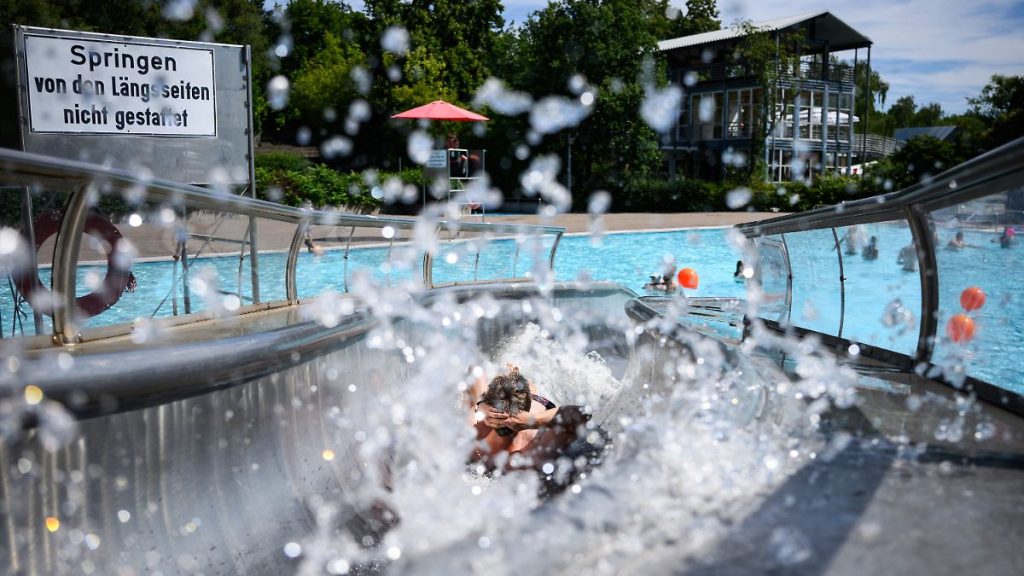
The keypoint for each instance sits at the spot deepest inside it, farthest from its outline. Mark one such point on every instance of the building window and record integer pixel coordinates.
(740, 113)
(707, 116)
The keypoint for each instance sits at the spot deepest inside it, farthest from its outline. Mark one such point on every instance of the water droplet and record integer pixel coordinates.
(790, 546)
(52, 523)
(179, 10)
(277, 92)
(292, 550)
(420, 146)
(338, 567)
(362, 78)
(495, 95)
(336, 146)
(553, 113)
(33, 395)
(660, 108)
(395, 40)
(738, 198)
(124, 516)
(599, 203)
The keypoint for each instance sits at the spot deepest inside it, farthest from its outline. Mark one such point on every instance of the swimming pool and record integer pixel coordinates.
(624, 258)
(872, 287)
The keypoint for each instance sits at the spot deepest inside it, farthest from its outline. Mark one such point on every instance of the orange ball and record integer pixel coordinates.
(688, 278)
(960, 328)
(972, 298)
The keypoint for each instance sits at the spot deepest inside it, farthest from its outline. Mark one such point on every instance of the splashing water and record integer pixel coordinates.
(277, 92)
(495, 95)
(395, 40)
(660, 108)
(554, 113)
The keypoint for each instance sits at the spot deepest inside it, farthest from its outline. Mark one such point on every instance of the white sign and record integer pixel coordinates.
(438, 159)
(83, 86)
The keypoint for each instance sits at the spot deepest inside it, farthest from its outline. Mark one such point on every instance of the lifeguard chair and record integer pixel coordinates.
(461, 167)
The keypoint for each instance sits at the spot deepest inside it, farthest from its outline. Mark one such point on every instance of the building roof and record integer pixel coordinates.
(940, 132)
(840, 35)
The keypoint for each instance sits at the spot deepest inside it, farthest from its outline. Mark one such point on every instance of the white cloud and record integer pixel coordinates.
(936, 50)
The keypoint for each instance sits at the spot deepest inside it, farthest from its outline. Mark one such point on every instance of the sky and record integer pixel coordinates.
(941, 51)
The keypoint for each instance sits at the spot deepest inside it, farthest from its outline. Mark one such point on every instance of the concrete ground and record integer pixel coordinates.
(156, 242)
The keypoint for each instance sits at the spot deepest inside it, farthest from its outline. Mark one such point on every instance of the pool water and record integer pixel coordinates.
(872, 287)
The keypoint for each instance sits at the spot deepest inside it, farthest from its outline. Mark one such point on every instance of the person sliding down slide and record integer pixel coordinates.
(511, 418)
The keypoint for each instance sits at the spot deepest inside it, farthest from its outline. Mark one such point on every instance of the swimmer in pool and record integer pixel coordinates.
(907, 258)
(663, 282)
(852, 238)
(870, 251)
(511, 417)
(738, 275)
(958, 242)
(1007, 238)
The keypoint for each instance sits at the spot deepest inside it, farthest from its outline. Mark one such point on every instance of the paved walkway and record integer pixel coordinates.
(158, 242)
(641, 221)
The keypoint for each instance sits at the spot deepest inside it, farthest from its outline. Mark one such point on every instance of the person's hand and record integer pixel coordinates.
(496, 419)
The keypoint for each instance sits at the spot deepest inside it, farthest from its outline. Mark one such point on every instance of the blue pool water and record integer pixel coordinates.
(871, 287)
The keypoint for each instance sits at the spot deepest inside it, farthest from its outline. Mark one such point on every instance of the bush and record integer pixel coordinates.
(659, 195)
(295, 181)
(689, 195)
(282, 161)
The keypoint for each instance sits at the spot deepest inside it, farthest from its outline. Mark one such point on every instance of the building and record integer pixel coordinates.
(808, 122)
(938, 132)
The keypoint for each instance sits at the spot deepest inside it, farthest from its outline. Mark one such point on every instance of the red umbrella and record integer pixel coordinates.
(441, 110)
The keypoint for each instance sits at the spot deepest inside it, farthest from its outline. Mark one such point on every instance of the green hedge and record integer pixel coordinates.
(660, 195)
(295, 181)
(689, 195)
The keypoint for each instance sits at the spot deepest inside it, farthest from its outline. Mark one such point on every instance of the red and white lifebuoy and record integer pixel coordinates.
(118, 278)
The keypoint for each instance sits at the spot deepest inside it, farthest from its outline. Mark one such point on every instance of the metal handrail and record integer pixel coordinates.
(997, 170)
(80, 180)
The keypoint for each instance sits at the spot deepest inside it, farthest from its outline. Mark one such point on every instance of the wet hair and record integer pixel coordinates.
(509, 393)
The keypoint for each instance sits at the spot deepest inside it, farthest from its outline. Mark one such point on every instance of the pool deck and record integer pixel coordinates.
(154, 242)
(575, 223)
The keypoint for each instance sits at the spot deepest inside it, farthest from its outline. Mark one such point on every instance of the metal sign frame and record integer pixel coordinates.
(221, 156)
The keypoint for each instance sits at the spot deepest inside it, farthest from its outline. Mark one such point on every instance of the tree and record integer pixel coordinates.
(701, 16)
(873, 120)
(929, 115)
(1001, 106)
(604, 44)
(768, 57)
(902, 112)
(324, 83)
(920, 159)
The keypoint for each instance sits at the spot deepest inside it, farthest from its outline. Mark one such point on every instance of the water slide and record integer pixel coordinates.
(290, 438)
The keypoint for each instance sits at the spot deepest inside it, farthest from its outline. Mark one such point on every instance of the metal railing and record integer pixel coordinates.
(920, 209)
(83, 183)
